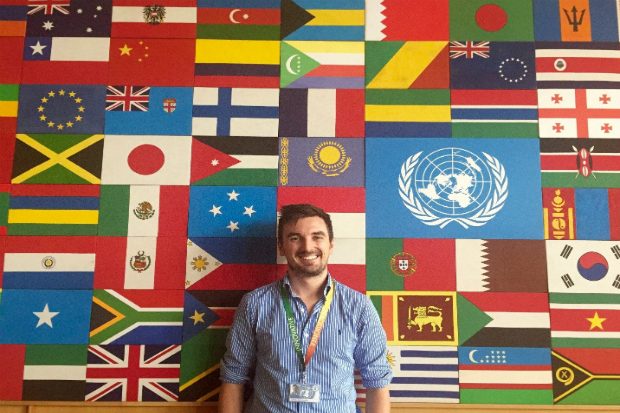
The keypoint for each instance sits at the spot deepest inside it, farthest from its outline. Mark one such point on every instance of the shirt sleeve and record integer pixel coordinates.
(370, 353)
(239, 360)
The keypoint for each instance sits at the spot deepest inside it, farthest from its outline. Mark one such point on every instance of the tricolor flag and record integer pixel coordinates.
(424, 374)
(239, 19)
(408, 113)
(317, 113)
(503, 319)
(581, 213)
(228, 160)
(54, 372)
(576, 20)
(577, 65)
(346, 207)
(585, 320)
(317, 20)
(136, 317)
(579, 113)
(235, 112)
(82, 60)
(237, 63)
(140, 263)
(53, 210)
(49, 262)
(580, 163)
(215, 263)
(165, 18)
(493, 113)
(143, 210)
(13, 18)
(505, 375)
(317, 64)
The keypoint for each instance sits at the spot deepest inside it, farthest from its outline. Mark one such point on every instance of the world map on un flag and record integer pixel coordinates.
(467, 152)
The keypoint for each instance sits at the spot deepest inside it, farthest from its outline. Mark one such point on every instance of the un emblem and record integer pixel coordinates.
(453, 185)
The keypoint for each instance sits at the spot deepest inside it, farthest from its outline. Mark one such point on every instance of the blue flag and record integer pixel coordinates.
(45, 316)
(143, 110)
(232, 211)
(61, 109)
(492, 65)
(453, 188)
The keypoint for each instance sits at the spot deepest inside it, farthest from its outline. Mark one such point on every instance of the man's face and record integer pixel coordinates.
(306, 246)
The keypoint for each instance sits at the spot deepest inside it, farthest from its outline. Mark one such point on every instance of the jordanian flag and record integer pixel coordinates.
(585, 320)
(251, 161)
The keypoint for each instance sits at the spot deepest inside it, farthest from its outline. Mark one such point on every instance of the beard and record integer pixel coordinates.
(307, 272)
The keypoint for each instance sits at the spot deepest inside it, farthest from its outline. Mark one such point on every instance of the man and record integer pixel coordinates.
(277, 343)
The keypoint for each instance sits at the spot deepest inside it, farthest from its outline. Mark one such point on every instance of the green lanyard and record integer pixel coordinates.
(292, 326)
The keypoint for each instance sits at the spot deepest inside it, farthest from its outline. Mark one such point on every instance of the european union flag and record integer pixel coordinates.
(45, 316)
(143, 110)
(61, 109)
(453, 188)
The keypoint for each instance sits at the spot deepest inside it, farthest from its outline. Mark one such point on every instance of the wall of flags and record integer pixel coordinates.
(467, 150)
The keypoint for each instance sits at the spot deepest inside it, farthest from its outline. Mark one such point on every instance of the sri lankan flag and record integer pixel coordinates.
(53, 210)
(417, 318)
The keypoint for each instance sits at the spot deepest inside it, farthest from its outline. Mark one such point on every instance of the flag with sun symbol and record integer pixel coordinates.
(216, 263)
(321, 162)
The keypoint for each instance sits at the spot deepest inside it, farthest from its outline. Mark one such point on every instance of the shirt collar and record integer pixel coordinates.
(287, 283)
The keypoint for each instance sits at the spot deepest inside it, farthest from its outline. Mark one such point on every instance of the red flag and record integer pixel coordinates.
(11, 50)
(12, 358)
(416, 20)
(149, 62)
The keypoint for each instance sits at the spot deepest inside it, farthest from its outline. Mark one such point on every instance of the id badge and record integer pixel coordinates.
(304, 393)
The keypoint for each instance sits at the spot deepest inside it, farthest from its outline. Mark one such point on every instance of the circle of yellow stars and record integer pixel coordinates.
(49, 98)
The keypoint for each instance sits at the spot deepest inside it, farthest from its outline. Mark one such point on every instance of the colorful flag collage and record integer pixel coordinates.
(468, 152)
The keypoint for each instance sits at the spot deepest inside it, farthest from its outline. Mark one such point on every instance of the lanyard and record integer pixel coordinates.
(292, 326)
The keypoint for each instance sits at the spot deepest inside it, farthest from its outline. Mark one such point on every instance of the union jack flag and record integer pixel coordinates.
(127, 98)
(48, 6)
(469, 49)
(133, 373)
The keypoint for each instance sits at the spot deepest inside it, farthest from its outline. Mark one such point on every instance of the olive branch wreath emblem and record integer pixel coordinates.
(418, 210)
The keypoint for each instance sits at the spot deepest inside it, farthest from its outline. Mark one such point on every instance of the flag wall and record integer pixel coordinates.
(467, 152)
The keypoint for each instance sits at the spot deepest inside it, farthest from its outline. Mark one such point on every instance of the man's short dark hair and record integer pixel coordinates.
(290, 214)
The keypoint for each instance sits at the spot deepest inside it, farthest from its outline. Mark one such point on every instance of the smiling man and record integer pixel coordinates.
(299, 339)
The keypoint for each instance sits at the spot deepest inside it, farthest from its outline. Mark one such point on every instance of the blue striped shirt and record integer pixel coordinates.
(260, 349)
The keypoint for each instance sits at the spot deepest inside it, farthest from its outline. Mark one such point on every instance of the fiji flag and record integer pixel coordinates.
(453, 188)
(45, 316)
(492, 65)
(143, 110)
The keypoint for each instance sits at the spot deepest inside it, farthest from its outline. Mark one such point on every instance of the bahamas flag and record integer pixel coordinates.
(453, 188)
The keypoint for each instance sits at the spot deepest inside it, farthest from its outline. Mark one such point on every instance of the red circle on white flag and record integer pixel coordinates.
(146, 159)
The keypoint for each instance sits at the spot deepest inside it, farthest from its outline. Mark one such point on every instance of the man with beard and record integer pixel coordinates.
(299, 339)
